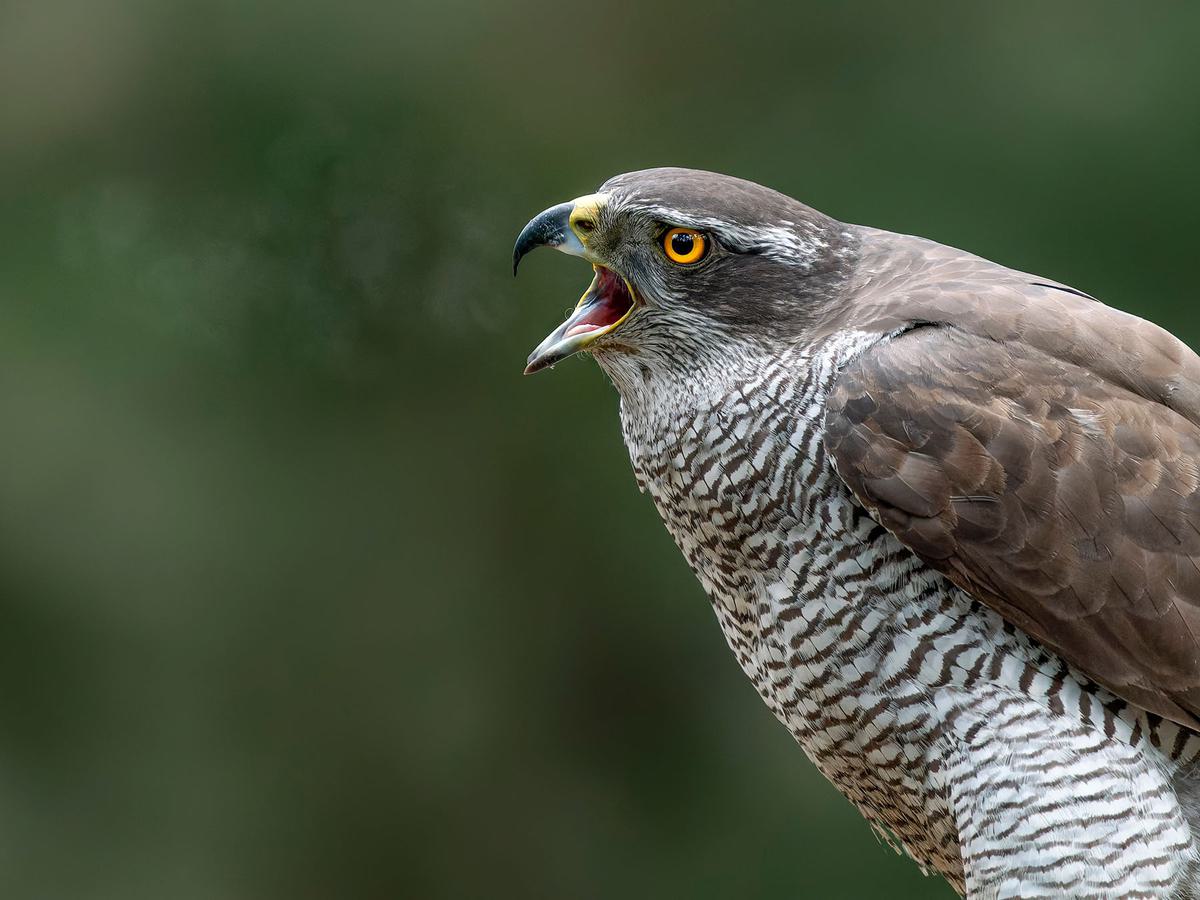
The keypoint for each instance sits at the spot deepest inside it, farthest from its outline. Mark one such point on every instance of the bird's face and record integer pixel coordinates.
(687, 263)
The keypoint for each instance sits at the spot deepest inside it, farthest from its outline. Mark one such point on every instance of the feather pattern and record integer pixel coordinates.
(1049, 471)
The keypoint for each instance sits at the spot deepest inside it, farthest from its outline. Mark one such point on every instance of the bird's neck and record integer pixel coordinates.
(661, 394)
(731, 448)
(691, 378)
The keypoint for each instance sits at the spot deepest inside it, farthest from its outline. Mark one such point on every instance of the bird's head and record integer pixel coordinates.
(688, 265)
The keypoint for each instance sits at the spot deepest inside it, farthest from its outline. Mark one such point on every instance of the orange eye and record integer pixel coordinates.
(683, 245)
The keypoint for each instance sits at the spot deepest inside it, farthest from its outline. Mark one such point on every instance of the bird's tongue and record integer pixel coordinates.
(607, 304)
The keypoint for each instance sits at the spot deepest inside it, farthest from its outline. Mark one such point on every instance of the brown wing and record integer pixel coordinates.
(1065, 501)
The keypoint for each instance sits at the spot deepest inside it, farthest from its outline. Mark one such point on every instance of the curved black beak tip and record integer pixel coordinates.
(546, 229)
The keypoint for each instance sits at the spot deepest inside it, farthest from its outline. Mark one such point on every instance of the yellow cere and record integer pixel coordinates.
(684, 245)
(585, 213)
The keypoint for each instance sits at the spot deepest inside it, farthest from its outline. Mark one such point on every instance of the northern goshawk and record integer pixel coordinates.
(947, 514)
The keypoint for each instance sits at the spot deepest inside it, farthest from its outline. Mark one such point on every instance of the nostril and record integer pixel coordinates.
(585, 225)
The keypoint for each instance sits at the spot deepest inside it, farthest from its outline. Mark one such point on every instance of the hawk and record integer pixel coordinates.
(947, 513)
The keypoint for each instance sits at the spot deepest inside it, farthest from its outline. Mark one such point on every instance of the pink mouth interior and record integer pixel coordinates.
(609, 302)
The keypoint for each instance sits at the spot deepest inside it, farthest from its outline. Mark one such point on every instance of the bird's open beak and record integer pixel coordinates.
(606, 303)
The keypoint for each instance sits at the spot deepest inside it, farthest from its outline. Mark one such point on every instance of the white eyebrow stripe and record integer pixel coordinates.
(781, 241)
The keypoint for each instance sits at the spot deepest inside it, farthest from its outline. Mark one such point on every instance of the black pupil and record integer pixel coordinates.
(682, 242)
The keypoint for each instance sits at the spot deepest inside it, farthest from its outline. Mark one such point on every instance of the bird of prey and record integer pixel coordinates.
(947, 513)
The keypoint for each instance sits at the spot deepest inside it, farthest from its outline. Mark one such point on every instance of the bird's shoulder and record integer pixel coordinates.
(901, 281)
(1042, 451)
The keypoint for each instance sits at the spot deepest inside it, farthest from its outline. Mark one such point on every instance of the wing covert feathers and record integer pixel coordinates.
(1044, 454)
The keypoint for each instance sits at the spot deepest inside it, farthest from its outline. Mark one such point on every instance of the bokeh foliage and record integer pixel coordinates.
(304, 591)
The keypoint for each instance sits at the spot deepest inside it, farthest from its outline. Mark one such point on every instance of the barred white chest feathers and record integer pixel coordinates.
(945, 726)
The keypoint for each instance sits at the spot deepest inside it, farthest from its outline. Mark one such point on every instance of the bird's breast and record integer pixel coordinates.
(734, 474)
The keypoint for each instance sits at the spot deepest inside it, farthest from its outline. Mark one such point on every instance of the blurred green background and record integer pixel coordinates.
(304, 591)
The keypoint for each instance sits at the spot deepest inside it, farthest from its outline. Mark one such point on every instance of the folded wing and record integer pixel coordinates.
(1060, 488)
